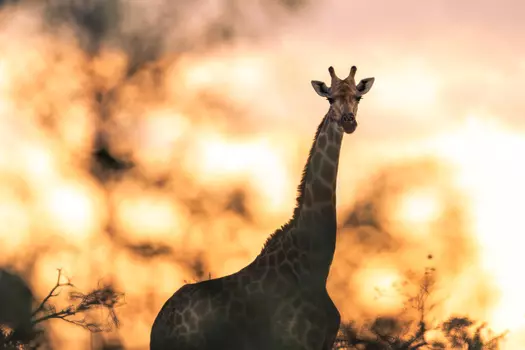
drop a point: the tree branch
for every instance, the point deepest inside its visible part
(51, 294)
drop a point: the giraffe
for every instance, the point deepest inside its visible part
(279, 301)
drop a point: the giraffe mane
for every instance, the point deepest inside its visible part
(280, 232)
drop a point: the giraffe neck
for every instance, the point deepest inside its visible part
(316, 213)
(320, 175)
(308, 239)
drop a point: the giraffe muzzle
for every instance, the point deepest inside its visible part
(348, 123)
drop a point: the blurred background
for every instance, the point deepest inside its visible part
(148, 143)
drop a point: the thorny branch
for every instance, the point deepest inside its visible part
(102, 297)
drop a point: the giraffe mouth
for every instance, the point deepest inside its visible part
(348, 123)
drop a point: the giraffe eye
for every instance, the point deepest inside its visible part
(330, 100)
(358, 98)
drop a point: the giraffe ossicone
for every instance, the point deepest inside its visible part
(279, 301)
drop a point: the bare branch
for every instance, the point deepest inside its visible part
(102, 297)
(51, 294)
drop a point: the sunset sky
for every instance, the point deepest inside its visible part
(212, 102)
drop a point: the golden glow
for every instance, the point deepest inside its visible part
(396, 87)
(15, 230)
(380, 288)
(150, 216)
(175, 132)
(39, 163)
(162, 129)
(254, 159)
(70, 263)
(487, 156)
(249, 71)
(4, 80)
(235, 72)
(159, 137)
(72, 211)
(419, 207)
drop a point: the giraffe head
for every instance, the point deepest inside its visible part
(344, 96)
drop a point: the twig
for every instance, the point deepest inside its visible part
(52, 294)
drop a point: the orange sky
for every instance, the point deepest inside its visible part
(231, 122)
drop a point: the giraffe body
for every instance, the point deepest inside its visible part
(223, 313)
(279, 301)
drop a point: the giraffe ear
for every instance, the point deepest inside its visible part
(321, 88)
(365, 85)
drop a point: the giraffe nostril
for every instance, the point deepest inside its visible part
(348, 123)
(348, 117)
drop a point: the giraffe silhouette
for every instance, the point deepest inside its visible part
(279, 301)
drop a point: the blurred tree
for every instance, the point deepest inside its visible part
(405, 333)
(16, 301)
(463, 333)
